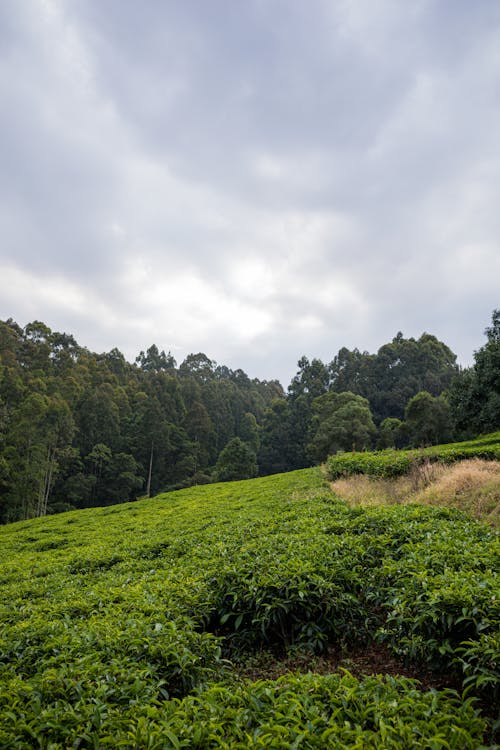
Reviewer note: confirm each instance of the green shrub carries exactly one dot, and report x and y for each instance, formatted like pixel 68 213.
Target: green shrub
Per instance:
pixel 395 463
pixel 313 711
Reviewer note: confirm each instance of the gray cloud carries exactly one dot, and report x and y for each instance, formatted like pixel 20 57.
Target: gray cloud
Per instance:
pixel 256 180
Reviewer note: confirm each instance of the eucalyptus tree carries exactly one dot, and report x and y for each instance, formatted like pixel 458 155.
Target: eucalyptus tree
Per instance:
pixel 475 393
pixel 236 461
pixel 342 422
pixel 428 419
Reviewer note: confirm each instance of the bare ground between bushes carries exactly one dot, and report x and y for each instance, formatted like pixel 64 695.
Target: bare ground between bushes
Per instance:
pixel 360 661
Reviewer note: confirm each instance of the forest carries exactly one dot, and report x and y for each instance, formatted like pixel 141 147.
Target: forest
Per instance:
pixel 80 429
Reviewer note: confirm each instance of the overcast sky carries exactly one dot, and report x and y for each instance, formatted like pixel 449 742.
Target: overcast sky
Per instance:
pixel 254 179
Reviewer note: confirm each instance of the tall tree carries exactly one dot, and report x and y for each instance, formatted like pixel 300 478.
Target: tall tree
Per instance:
pixel 311 380
pixel 154 360
pixel 199 366
pixel 35 350
pixel 428 419
pixel 98 418
pixel 351 371
pixel 40 428
pixel 201 432
pixel 249 432
pixel 342 421
pixel 274 449
pixel 300 420
pixel 398 371
pixel 392 433
pixel 236 461
pixel 475 394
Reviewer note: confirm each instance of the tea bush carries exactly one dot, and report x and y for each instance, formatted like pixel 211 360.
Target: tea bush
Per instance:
pixel 395 463
pixel 313 711
pixel 116 624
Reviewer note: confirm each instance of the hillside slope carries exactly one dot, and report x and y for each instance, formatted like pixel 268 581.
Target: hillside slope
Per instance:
pixel 116 623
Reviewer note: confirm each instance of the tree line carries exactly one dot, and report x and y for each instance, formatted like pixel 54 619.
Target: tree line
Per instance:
pixel 80 429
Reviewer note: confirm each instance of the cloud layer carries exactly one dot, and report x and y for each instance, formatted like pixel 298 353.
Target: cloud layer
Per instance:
pixel 254 180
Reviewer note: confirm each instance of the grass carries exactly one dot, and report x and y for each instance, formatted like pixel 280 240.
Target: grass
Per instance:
pixel 472 486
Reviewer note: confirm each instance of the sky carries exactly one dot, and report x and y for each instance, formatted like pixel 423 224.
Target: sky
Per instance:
pixel 253 179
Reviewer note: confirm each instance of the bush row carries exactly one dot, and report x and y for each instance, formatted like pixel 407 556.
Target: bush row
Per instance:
pixel 110 619
pixel 395 463
pixel 307 711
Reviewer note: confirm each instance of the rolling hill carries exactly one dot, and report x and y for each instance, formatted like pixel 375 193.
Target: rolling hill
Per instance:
pixel 128 626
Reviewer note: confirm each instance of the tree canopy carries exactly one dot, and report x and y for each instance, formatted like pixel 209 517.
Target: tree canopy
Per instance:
pixel 475 393
pixel 341 422
pixel 236 461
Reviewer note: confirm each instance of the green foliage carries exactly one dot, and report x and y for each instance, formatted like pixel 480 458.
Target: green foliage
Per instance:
pixel 394 463
pixel 312 711
pixel 392 433
pixel 162 427
pixel 475 393
pixel 398 371
pixel 274 452
pixel 155 361
pixel 236 461
pixel 312 379
pixel 291 594
pixel 249 432
pixel 428 419
pixel 342 421
pixel 114 622
pixel 166 426
pixel 479 661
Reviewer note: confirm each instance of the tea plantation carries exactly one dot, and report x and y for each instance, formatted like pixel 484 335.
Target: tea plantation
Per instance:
pixel 119 626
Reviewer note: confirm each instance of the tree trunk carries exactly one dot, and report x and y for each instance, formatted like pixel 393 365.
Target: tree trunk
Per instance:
pixel 148 485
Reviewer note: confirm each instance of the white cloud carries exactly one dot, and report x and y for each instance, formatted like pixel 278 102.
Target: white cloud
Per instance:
pixel 252 182
pixel 53 293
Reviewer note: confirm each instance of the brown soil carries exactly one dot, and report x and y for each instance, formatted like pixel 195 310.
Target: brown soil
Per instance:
pixel 359 661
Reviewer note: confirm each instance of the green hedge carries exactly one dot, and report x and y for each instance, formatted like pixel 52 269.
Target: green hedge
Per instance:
pixel 395 463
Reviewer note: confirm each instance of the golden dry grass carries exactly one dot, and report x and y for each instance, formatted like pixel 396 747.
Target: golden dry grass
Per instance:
pixel 472 486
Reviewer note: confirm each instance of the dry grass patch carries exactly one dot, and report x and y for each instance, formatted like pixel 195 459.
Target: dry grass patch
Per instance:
pixel 364 490
pixel 472 486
